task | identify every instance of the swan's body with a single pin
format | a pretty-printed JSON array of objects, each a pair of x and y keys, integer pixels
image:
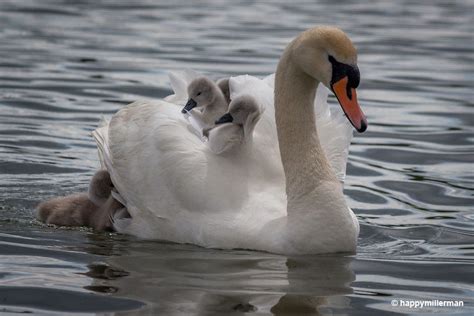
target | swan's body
[{"x": 176, "y": 189}]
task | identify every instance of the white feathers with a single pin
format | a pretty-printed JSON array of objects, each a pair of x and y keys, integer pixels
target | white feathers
[{"x": 177, "y": 188}]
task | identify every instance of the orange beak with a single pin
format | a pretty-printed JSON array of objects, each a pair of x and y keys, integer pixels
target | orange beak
[{"x": 349, "y": 104}]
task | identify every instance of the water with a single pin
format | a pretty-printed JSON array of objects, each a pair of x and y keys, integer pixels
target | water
[{"x": 64, "y": 64}]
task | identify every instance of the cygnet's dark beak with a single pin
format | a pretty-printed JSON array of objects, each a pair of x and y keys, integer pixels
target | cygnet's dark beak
[
  {"x": 191, "y": 104},
  {"x": 226, "y": 118}
]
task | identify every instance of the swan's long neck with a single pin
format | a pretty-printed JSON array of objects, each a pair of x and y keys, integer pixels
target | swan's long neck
[{"x": 303, "y": 158}]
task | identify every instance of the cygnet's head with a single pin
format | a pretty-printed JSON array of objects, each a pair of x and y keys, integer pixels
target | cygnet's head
[
  {"x": 201, "y": 92},
  {"x": 328, "y": 55},
  {"x": 243, "y": 111}
]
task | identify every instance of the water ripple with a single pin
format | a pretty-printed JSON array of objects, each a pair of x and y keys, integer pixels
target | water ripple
[{"x": 63, "y": 65}]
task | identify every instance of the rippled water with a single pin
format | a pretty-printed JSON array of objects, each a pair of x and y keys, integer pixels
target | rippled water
[{"x": 64, "y": 64}]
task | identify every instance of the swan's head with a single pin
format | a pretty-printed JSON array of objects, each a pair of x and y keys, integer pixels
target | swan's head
[
  {"x": 243, "y": 111},
  {"x": 201, "y": 92},
  {"x": 328, "y": 55}
]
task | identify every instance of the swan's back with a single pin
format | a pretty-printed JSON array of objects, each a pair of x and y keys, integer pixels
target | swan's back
[{"x": 334, "y": 131}]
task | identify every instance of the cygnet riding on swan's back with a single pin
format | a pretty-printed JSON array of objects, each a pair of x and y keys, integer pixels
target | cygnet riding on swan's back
[
  {"x": 205, "y": 95},
  {"x": 234, "y": 128},
  {"x": 281, "y": 196}
]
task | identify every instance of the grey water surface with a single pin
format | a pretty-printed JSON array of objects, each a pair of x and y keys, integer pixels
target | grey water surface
[{"x": 65, "y": 64}]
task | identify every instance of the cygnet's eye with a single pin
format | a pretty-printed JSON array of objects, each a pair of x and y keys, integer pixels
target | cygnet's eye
[{"x": 198, "y": 94}]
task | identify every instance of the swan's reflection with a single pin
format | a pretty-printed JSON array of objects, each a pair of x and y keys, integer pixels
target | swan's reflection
[{"x": 180, "y": 279}]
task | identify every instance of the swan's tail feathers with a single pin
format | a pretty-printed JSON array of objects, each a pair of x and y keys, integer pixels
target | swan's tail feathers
[
  {"x": 101, "y": 138},
  {"x": 71, "y": 210},
  {"x": 179, "y": 81},
  {"x": 103, "y": 122}
]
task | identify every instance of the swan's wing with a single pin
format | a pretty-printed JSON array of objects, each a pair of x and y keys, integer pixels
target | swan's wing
[
  {"x": 179, "y": 81},
  {"x": 151, "y": 151},
  {"x": 270, "y": 80},
  {"x": 169, "y": 179},
  {"x": 164, "y": 172},
  {"x": 254, "y": 87},
  {"x": 100, "y": 137},
  {"x": 265, "y": 150},
  {"x": 265, "y": 133},
  {"x": 335, "y": 132}
]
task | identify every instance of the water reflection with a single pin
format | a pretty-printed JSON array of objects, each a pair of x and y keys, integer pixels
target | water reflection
[
  {"x": 176, "y": 279},
  {"x": 65, "y": 63}
]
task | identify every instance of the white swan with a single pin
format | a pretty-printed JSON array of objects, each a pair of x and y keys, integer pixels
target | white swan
[{"x": 177, "y": 190}]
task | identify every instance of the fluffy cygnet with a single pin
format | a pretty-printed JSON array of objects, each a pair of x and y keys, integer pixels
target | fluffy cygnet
[
  {"x": 93, "y": 209},
  {"x": 236, "y": 126},
  {"x": 206, "y": 97}
]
